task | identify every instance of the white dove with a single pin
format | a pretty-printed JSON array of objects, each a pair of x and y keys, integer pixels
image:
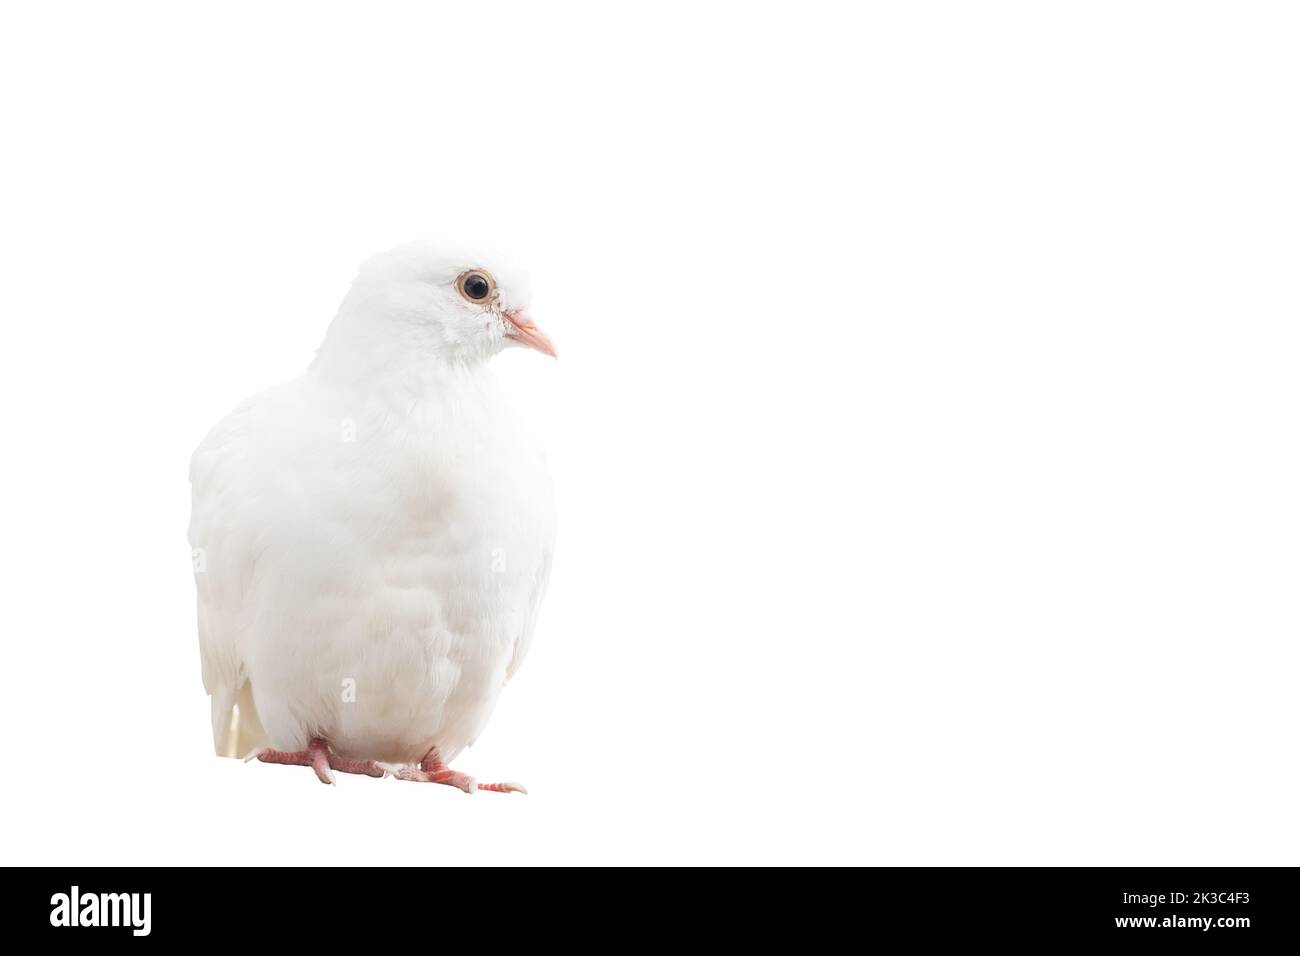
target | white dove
[{"x": 372, "y": 540}]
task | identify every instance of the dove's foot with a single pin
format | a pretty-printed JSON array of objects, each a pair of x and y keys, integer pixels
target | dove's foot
[
  {"x": 433, "y": 770},
  {"x": 318, "y": 757}
]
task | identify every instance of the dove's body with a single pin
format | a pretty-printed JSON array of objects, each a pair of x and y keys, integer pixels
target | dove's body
[{"x": 371, "y": 553}]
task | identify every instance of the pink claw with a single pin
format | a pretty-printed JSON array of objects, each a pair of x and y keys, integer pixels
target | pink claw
[{"x": 318, "y": 757}]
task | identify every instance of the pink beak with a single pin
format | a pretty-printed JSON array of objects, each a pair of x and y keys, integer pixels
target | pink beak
[{"x": 521, "y": 328}]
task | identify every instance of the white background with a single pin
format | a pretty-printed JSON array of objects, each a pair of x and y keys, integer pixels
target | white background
[{"x": 924, "y": 429}]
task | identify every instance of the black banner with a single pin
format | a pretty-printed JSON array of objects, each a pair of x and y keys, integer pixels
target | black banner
[{"x": 1228, "y": 907}]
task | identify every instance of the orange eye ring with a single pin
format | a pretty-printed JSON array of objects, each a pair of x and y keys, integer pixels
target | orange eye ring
[{"x": 476, "y": 286}]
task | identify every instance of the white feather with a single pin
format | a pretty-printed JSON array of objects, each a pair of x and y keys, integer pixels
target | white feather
[{"x": 373, "y": 539}]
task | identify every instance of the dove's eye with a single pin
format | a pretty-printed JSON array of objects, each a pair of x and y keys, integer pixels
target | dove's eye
[{"x": 475, "y": 286}]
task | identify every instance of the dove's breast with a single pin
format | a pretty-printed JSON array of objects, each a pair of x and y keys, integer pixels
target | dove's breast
[{"x": 391, "y": 572}]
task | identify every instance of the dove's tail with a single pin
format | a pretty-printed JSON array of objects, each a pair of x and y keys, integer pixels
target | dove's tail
[{"x": 236, "y": 729}]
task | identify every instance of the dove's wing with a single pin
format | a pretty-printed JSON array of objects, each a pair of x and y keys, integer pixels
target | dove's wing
[
  {"x": 525, "y": 639},
  {"x": 223, "y": 536},
  {"x": 543, "y": 505}
]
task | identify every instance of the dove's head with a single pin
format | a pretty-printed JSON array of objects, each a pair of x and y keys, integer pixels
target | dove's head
[{"x": 435, "y": 302}]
